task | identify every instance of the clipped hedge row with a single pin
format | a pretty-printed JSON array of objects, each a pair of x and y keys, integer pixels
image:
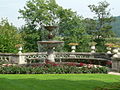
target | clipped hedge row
[{"x": 50, "y": 69}]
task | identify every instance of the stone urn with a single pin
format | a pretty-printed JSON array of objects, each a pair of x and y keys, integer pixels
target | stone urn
[
  {"x": 93, "y": 49},
  {"x": 73, "y": 46},
  {"x": 115, "y": 51},
  {"x": 109, "y": 50},
  {"x": 19, "y": 47},
  {"x": 92, "y": 44},
  {"x": 109, "y": 47},
  {"x": 20, "y": 50}
]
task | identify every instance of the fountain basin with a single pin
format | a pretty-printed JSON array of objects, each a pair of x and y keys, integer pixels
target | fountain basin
[
  {"x": 50, "y": 42},
  {"x": 49, "y": 45}
]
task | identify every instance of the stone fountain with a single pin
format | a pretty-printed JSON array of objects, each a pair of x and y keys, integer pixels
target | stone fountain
[{"x": 50, "y": 44}]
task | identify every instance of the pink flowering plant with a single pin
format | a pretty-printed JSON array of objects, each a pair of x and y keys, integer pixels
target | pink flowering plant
[{"x": 53, "y": 68}]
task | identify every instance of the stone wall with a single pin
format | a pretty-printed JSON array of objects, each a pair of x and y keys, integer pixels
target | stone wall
[{"x": 20, "y": 58}]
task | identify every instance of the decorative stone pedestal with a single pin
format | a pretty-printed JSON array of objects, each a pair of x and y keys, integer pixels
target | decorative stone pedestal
[
  {"x": 109, "y": 50},
  {"x": 73, "y": 48},
  {"x": 73, "y": 51},
  {"x": 20, "y": 50},
  {"x": 51, "y": 56},
  {"x": 93, "y": 49},
  {"x": 115, "y": 51}
]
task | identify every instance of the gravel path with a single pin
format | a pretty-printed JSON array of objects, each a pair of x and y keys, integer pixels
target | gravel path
[{"x": 114, "y": 73}]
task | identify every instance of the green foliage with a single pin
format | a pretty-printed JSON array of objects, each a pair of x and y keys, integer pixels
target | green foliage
[
  {"x": 116, "y": 26},
  {"x": 9, "y": 37},
  {"x": 103, "y": 20},
  {"x": 100, "y": 46},
  {"x": 113, "y": 40},
  {"x": 100, "y": 27},
  {"x": 72, "y": 30},
  {"x": 30, "y": 36},
  {"x": 90, "y": 26},
  {"x": 38, "y": 13},
  {"x": 50, "y": 69}
]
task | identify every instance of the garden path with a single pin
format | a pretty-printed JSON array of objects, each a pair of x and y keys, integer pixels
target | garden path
[{"x": 114, "y": 73}]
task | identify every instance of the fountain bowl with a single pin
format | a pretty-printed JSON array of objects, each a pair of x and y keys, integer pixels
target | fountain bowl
[{"x": 50, "y": 42}]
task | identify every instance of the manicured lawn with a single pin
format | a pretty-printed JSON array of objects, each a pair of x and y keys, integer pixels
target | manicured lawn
[{"x": 56, "y": 81}]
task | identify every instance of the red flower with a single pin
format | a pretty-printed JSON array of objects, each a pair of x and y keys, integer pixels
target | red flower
[
  {"x": 55, "y": 64},
  {"x": 109, "y": 63},
  {"x": 71, "y": 64},
  {"x": 81, "y": 64}
]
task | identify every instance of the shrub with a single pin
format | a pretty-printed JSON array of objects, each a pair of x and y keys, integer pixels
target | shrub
[{"x": 51, "y": 68}]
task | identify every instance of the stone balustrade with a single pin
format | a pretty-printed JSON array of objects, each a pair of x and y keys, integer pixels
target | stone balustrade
[
  {"x": 23, "y": 58},
  {"x": 9, "y": 58}
]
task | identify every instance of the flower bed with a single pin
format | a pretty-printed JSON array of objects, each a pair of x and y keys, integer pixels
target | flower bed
[{"x": 53, "y": 68}]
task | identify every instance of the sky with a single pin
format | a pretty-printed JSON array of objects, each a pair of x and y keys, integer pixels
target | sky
[{"x": 9, "y": 8}]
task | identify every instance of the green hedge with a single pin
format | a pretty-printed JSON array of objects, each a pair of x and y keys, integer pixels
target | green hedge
[{"x": 50, "y": 69}]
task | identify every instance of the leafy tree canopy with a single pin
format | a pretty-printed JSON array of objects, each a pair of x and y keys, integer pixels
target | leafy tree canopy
[
  {"x": 38, "y": 13},
  {"x": 102, "y": 20},
  {"x": 9, "y": 37}
]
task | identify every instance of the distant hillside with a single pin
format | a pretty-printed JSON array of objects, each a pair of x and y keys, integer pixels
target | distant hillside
[{"x": 116, "y": 26}]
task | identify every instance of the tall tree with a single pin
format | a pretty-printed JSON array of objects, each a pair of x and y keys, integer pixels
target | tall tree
[
  {"x": 38, "y": 13},
  {"x": 103, "y": 20},
  {"x": 101, "y": 24},
  {"x": 30, "y": 36},
  {"x": 90, "y": 25},
  {"x": 9, "y": 37},
  {"x": 72, "y": 29}
]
